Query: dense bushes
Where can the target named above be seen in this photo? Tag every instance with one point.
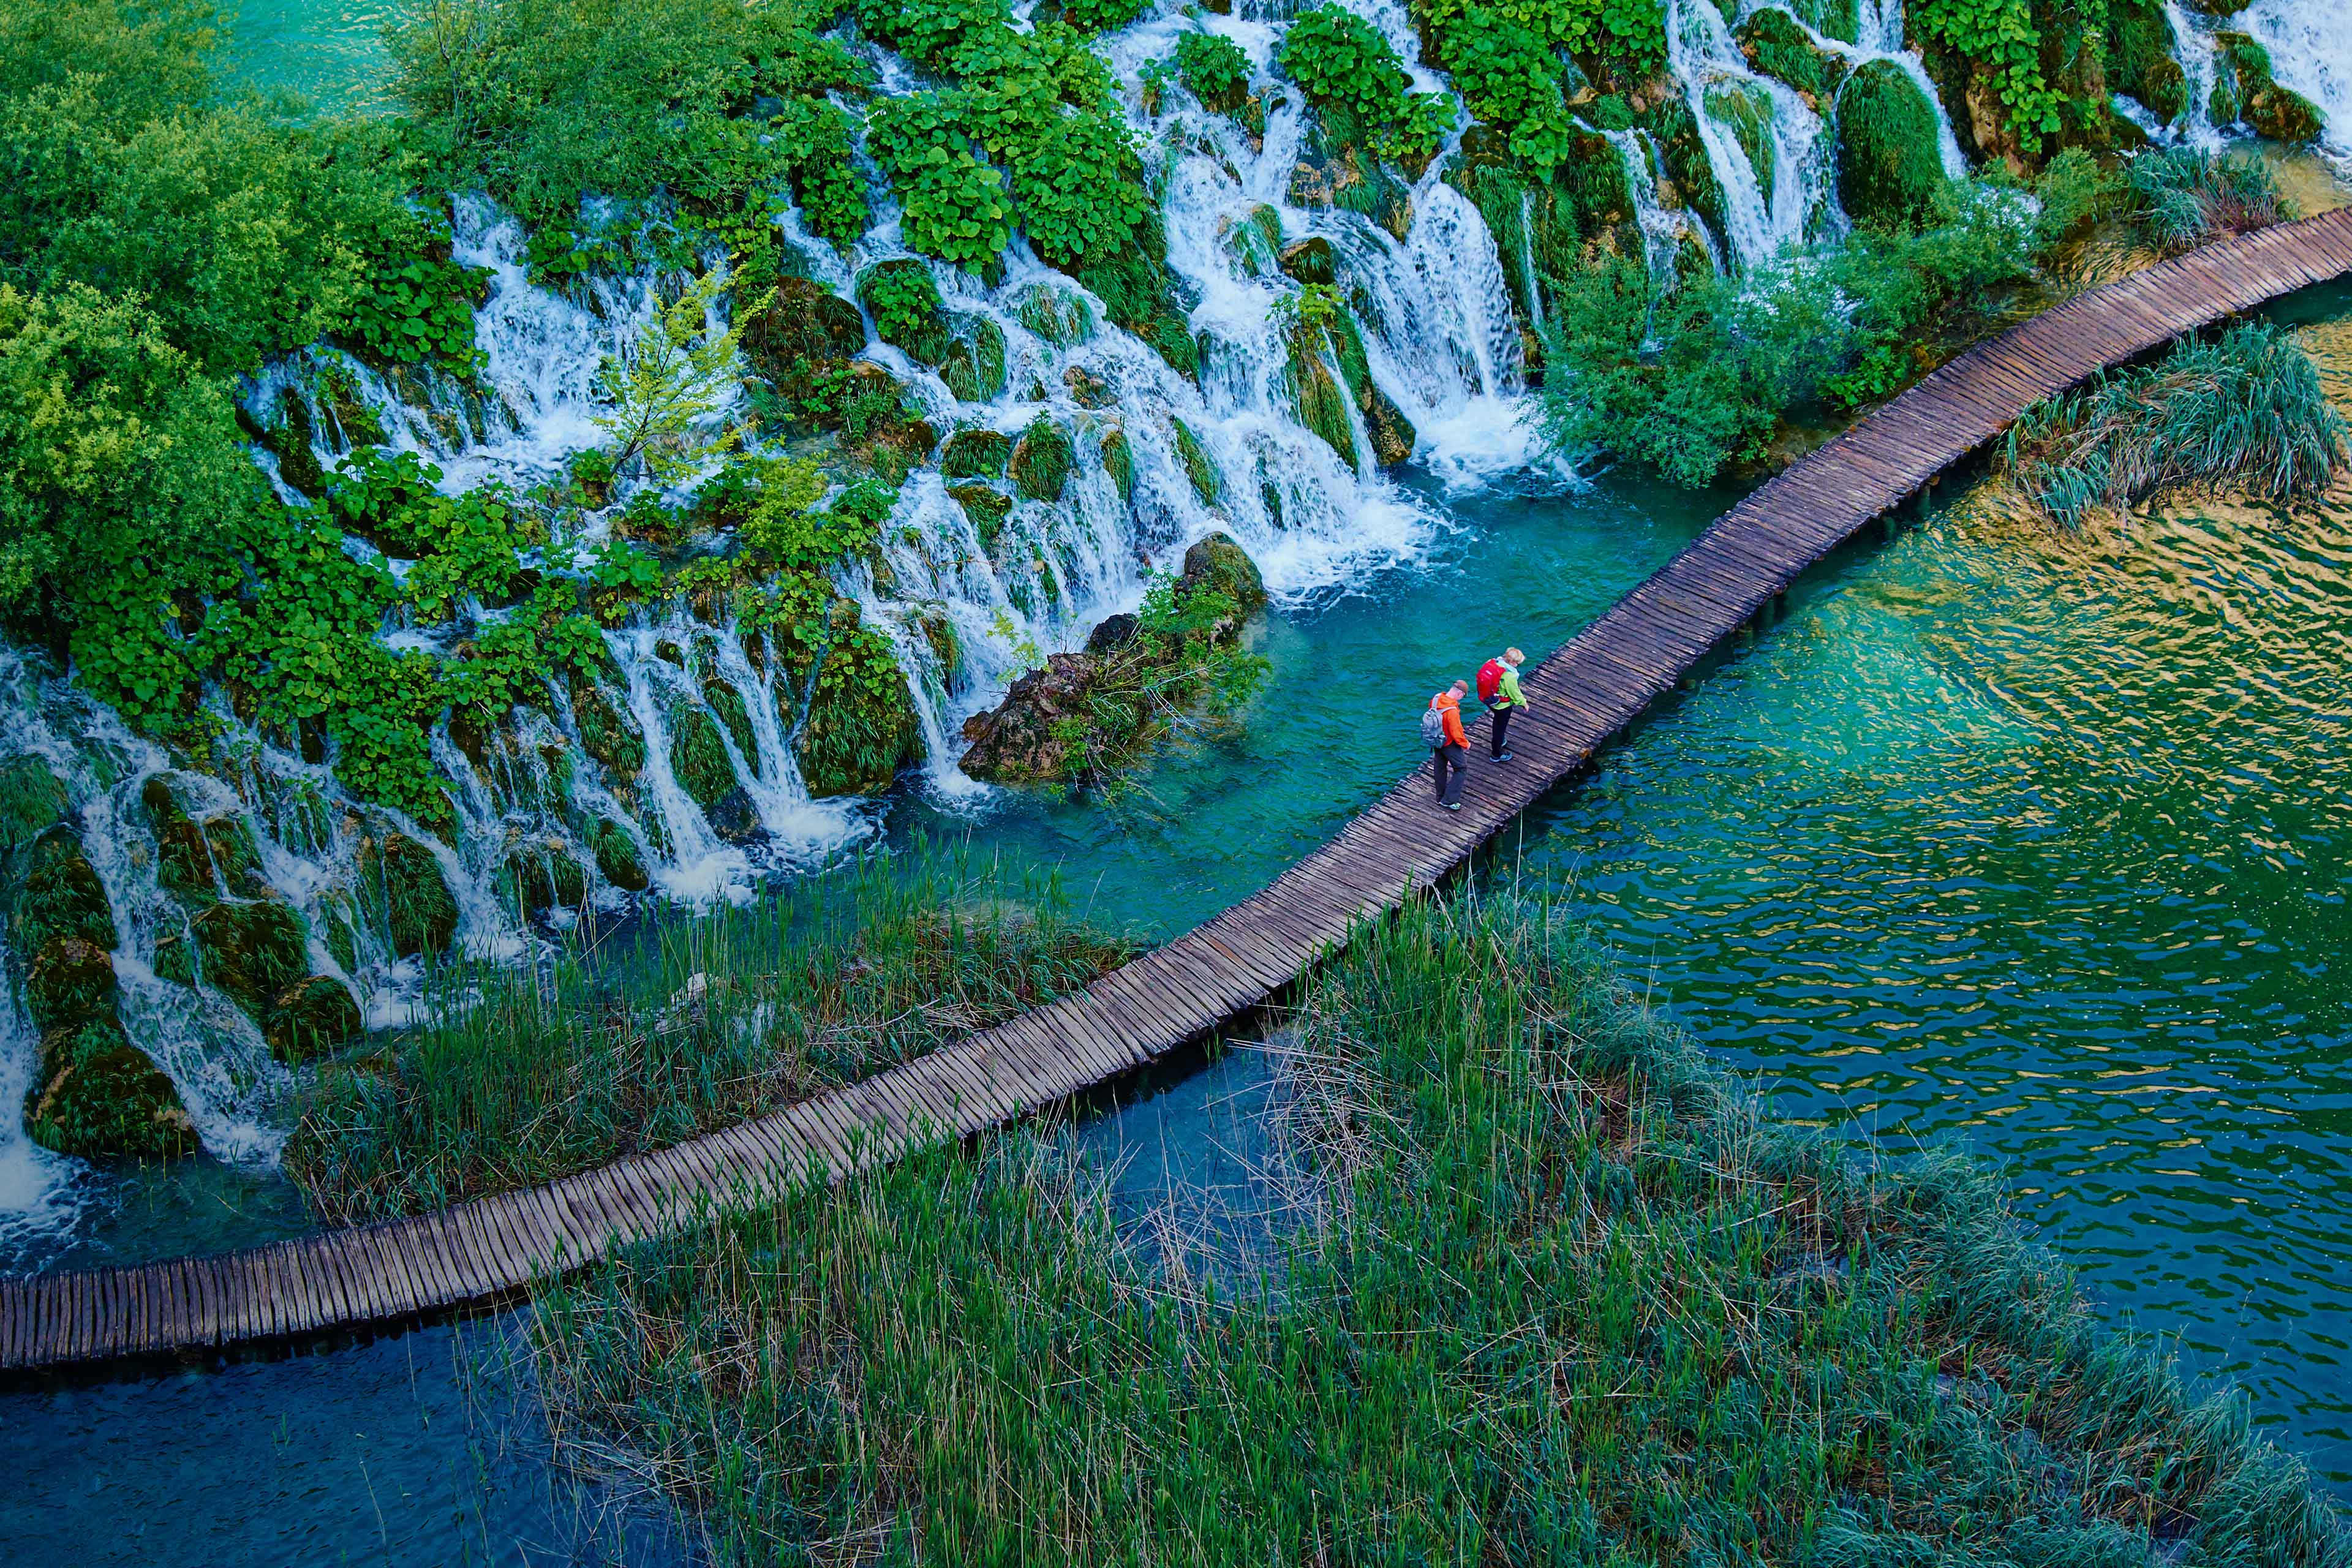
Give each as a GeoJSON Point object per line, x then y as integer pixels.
{"type": "Point", "coordinates": [1889, 172]}
{"type": "Point", "coordinates": [1349, 73]}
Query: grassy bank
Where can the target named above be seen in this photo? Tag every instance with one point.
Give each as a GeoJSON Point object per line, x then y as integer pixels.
{"type": "Point", "coordinates": [683, 1026]}
{"type": "Point", "coordinates": [1567, 1295]}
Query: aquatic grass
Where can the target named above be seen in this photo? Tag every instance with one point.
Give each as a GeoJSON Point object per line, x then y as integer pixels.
{"type": "Point", "coordinates": [2247, 409]}
{"type": "Point", "coordinates": [1581, 1302]}
{"type": "Point", "coordinates": [2181, 197]}
{"type": "Point", "coordinates": [682, 1026]}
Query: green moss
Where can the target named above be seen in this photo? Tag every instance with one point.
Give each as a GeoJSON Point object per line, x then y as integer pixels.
{"type": "Point", "coordinates": [339, 394]}
{"type": "Point", "coordinates": [68, 983]}
{"type": "Point", "coordinates": [1889, 173]}
{"type": "Point", "coordinates": [2272, 111]}
{"type": "Point", "coordinates": [1208, 483]}
{"type": "Point", "coordinates": [987, 507]}
{"type": "Point", "coordinates": [1256, 241]}
{"type": "Point", "coordinates": [1218, 563]}
{"type": "Point", "coordinates": [1317, 398]}
{"type": "Point", "coordinates": [198, 862]}
{"type": "Point", "coordinates": [802, 345]}
{"type": "Point", "coordinates": [99, 1098]}
{"type": "Point", "coordinates": [1747, 113]}
{"type": "Point", "coordinates": [405, 895]}
{"type": "Point", "coordinates": [1118, 459]}
{"type": "Point", "coordinates": [861, 728]}
{"type": "Point", "coordinates": [1691, 177]}
{"type": "Point", "coordinates": [2140, 58]}
{"type": "Point", "coordinates": [1040, 464]}
{"type": "Point", "coordinates": [62, 896]}
{"type": "Point", "coordinates": [697, 757]}
{"type": "Point", "coordinates": [906, 310]}
{"type": "Point", "coordinates": [975, 454]}
{"type": "Point", "coordinates": [250, 953]}
{"type": "Point", "coordinates": [617, 856]}
{"type": "Point", "coordinates": [542, 875]}
{"type": "Point", "coordinates": [973, 367]}
{"type": "Point", "coordinates": [32, 801]}
{"type": "Point", "coordinates": [607, 734]}
{"type": "Point", "coordinates": [1779, 47]}
{"type": "Point", "coordinates": [1057, 315]}
{"type": "Point", "coordinates": [1140, 293]}
{"type": "Point", "coordinates": [286, 432]}
{"type": "Point", "coordinates": [728, 703]}
{"type": "Point", "coordinates": [311, 1017]}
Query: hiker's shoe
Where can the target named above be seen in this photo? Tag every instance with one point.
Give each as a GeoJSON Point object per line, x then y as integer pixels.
{"type": "Point", "coordinates": [1504, 758]}
{"type": "Point", "coordinates": [1452, 806]}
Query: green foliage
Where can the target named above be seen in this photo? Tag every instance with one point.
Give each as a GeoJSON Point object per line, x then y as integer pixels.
{"type": "Point", "coordinates": [2004, 38]}
{"type": "Point", "coordinates": [124, 170]}
{"type": "Point", "coordinates": [1213, 68]}
{"type": "Point", "coordinates": [1348, 70]}
{"type": "Point", "coordinates": [680, 374]}
{"type": "Point", "coordinates": [1507, 75]}
{"type": "Point", "coordinates": [1099, 15]}
{"type": "Point", "coordinates": [2246, 411]}
{"type": "Point", "coordinates": [813, 143]}
{"type": "Point", "coordinates": [953, 204]}
{"type": "Point", "coordinates": [418, 308]}
{"type": "Point", "coordinates": [2181, 197]}
{"type": "Point", "coordinates": [470, 550]}
{"type": "Point", "coordinates": [928, 31]}
{"type": "Point", "coordinates": [524, 1076]}
{"type": "Point", "coordinates": [509, 661]}
{"type": "Point", "coordinates": [905, 304]}
{"type": "Point", "coordinates": [1081, 192]}
{"type": "Point", "coordinates": [1625, 40]}
{"type": "Point", "coordinates": [783, 529]}
{"type": "Point", "coordinates": [1554, 1289]}
{"type": "Point", "coordinates": [1889, 173]}
{"type": "Point", "coordinates": [619, 576]}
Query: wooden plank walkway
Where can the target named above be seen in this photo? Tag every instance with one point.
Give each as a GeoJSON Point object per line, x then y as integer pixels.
{"type": "Point", "coordinates": [490, 1249]}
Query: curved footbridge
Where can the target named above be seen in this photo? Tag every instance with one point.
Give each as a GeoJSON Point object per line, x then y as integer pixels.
{"type": "Point", "coordinates": [491, 1249]}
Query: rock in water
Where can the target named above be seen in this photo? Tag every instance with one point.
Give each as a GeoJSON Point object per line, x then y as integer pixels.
{"type": "Point", "coordinates": [1016, 742]}
{"type": "Point", "coordinates": [312, 1018]}
{"type": "Point", "coordinates": [98, 1097]}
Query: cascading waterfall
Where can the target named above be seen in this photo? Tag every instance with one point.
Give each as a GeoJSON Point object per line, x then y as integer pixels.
{"type": "Point", "coordinates": [1798, 203]}
{"type": "Point", "coordinates": [2310, 45]}
{"type": "Point", "coordinates": [1662, 231]}
{"type": "Point", "coordinates": [1226, 451]}
{"type": "Point", "coordinates": [1880, 31]}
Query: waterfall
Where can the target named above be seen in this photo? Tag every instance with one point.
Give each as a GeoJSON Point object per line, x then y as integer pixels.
{"type": "Point", "coordinates": [1880, 33]}
{"type": "Point", "coordinates": [2310, 45]}
{"type": "Point", "coordinates": [1662, 232]}
{"type": "Point", "coordinates": [1159, 458]}
{"type": "Point", "coordinates": [1764, 212]}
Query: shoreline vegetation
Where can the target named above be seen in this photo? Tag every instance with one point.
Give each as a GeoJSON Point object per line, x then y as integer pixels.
{"type": "Point", "coordinates": [1549, 1286]}
{"type": "Point", "coordinates": [681, 1026]}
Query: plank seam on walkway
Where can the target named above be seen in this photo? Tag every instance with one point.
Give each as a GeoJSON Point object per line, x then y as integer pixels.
{"type": "Point", "coordinates": [491, 1249]}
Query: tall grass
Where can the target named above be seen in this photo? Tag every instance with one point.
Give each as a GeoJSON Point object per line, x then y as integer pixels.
{"type": "Point", "coordinates": [2247, 410]}
{"type": "Point", "coordinates": [2180, 197]}
{"type": "Point", "coordinates": [683, 1026]}
{"type": "Point", "coordinates": [1578, 1304]}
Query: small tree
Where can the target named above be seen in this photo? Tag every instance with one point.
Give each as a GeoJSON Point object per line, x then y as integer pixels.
{"type": "Point", "coordinates": [680, 374]}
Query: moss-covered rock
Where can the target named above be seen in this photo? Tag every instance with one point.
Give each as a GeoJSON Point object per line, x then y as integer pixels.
{"type": "Point", "coordinates": [1775, 45]}
{"type": "Point", "coordinates": [1690, 183]}
{"type": "Point", "coordinates": [286, 433]}
{"type": "Point", "coordinates": [1059, 315]}
{"type": "Point", "coordinates": [1086, 389]}
{"type": "Point", "coordinates": [1889, 172]}
{"type": "Point", "coordinates": [607, 734]}
{"type": "Point", "coordinates": [861, 728]}
{"type": "Point", "coordinates": [1747, 112]}
{"type": "Point", "coordinates": [1208, 483]}
{"type": "Point", "coordinates": [697, 757]}
{"type": "Point", "coordinates": [975, 454]}
{"type": "Point", "coordinates": [62, 896]}
{"type": "Point", "coordinates": [540, 875]}
{"type": "Point", "coordinates": [311, 1017]}
{"type": "Point", "coordinates": [1118, 459]}
{"type": "Point", "coordinates": [617, 856]}
{"type": "Point", "coordinates": [1839, 19]}
{"type": "Point", "coordinates": [986, 507]}
{"type": "Point", "coordinates": [803, 339]}
{"type": "Point", "coordinates": [68, 983]}
{"type": "Point", "coordinates": [1141, 295]}
{"type": "Point", "coordinates": [973, 366]}
{"type": "Point", "coordinates": [250, 953]}
{"type": "Point", "coordinates": [908, 312]}
{"type": "Point", "coordinates": [1311, 260]}
{"type": "Point", "coordinates": [197, 862]}
{"type": "Point", "coordinates": [97, 1095]}
{"type": "Point", "coordinates": [1041, 460]}
{"type": "Point", "coordinates": [1317, 399]}
{"type": "Point", "coordinates": [1255, 241]}
{"type": "Point", "coordinates": [353, 417]}
{"type": "Point", "coordinates": [32, 801]}
{"type": "Point", "coordinates": [2141, 59]}
{"type": "Point", "coordinates": [2277, 113]}
{"type": "Point", "coordinates": [728, 705]}
{"type": "Point", "coordinates": [1215, 561]}
{"type": "Point", "coordinates": [402, 888]}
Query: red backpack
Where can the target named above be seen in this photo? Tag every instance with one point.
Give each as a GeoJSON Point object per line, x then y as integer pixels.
{"type": "Point", "coordinates": [1490, 681]}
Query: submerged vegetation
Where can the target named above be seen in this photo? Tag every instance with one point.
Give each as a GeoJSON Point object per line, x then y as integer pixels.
{"type": "Point", "coordinates": [2246, 411]}
{"type": "Point", "coordinates": [519, 1076]}
{"type": "Point", "coordinates": [1556, 1291]}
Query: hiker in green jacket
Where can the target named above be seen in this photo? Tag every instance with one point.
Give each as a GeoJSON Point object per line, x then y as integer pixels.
{"type": "Point", "coordinates": [1498, 689]}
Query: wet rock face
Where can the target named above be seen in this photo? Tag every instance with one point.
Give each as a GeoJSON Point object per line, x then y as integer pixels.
{"type": "Point", "coordinates": [607, 734]}
{"type": "Point", "coordinates": [1216, 561]}
{"type": "Point", "coordinates": [617, 858]}
{"type": "Point", "coordinates": [1310, 261]}
{"type": "Point", "coordinates": [542, 875]}
{"type": "Point", "coordinates": [98, 1097]}
{"type": "Point", "coordinates": [197, 862]}
{"type": "Point", "coordinates": [312, 1018]}
{"type": "Point", "coordinates": [1016, 741]}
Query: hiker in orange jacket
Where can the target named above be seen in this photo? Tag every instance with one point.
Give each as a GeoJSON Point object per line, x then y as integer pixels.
{"type": "Point", "coordinates": [1452, 750]}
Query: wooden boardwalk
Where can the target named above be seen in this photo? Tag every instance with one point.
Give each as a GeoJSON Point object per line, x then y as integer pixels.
{"type": "Point", "coordinates": [491, 1249]}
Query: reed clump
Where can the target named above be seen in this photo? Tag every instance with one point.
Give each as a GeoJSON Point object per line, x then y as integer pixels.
{"type": "Point", "coordinates": [2247, 410]}
{"type": "Point", "coordinates": [690, 1024]}
{"type": "Point", "coordinates": [2182, 197]}
{"type": "Point", "coordinates": [1580, 1302]}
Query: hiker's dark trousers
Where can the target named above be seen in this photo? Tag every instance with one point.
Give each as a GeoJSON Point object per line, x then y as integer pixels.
{"type": "Point", "coordinates": [1453, 761]}
{"type": "Point", "coordinates": [1502, 722]}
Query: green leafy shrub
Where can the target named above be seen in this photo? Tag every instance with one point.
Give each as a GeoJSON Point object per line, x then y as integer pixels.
{"type": "Point", "coordinates": [1214, 70]}
{"type": "Point", "coordinates": [1507, 75]}
{"type": "Point", "coordinates": [905, 304]}
{"type": "Point", "coordinates": [928, 31]}
{"type": "Point", "coordinates": [418, 308]}
{"type": "Point", "coordinates": [1099, 15]}
{"type": "Point", "coordinates": [1348, 70]}
{"type": "Point", "coordinates": [812, 142]}
{"type": "Point", "coordinates": [1081, 192]}
{"type": "Point", "coordinates": [954, 203]}
{"type": "Point", "coordinates": [2004, 38]}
